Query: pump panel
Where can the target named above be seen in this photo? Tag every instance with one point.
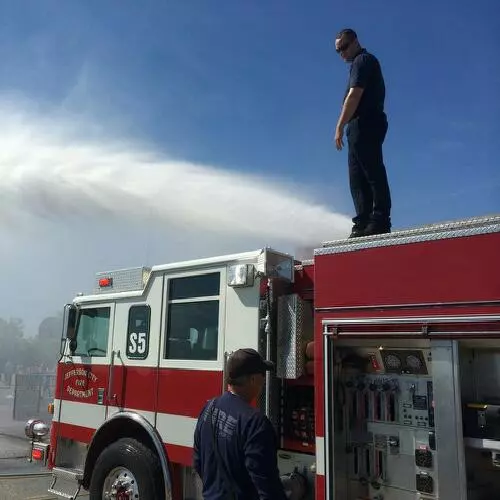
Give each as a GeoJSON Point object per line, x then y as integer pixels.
{"type": "Point", "coordinates": [385, 441]}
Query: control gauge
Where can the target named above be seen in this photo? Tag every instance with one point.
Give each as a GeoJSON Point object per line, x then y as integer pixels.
{"type": "Point", "coordinates": [414, 363]}
{"type": "Point", "coordinates": [392, 362]}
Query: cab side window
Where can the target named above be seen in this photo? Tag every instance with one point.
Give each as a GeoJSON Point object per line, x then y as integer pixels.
{"type": "Point", "coordinates": [193, 317]}
{"type": "Point", "coordinates": [138, 332]}
{"type": "Point", "coordinates": [92, 332]}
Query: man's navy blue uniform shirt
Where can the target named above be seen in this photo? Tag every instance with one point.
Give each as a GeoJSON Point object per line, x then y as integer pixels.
{"type": "Point", "coordinates": [247, 444]}
{"type": "Point", "coordinates": [366, 73]}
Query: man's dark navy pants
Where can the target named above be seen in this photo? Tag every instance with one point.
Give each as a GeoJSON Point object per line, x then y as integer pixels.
{"type": "Point", "coordinates": [367, 174]}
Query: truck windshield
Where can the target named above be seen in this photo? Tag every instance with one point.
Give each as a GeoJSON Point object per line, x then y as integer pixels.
{"type": "Point", "coordinates": [93, 332]}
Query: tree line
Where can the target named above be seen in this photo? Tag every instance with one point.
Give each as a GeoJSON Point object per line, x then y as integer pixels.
{"type": "Point", "coordinates": [21, 354]}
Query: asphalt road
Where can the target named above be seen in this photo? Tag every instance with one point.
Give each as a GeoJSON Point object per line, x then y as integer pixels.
{"type": "Point", "coordinates": [19, 478]}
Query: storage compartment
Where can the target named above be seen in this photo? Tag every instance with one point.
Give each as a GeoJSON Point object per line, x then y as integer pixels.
{"type": "Point", "coordinates": [298, 425]}
{"type": "Point", "coordinates": [295, 331]}
{"type": "Point", "coordinates": [295, 368]}
{"type": "Point", "coordinates": [480, 384]}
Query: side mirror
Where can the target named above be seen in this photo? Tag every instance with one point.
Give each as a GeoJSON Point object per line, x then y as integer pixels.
{"type": "Point", "coordinates": [72, 345]}
{"type": "Point", "coordinates": [69, 327]}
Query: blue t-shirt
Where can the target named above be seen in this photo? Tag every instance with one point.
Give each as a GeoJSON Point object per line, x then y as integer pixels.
{"type": "Point", "coordinates": [366, 72]}
{"type": "Point", "coordinates": [247, 446]}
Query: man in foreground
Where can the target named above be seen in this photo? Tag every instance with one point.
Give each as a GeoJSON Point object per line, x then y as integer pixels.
{"type": "Point", "coordinates": [235, 446]}
{"type": "Point", "coordinates": [363, 112]}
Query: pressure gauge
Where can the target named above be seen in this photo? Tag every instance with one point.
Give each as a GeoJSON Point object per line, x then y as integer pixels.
{"type": "Point", "coordinates": [393, 362]}
{"type": "Point", "coordinates": [414, 362]}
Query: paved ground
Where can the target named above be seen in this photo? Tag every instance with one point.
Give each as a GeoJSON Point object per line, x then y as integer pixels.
{"type": "Point", "coordinates": [13, 442]}
{"type": "Point", "coordinates": [19, 479]}
{"type": "Point", "coordinates": [25, 488]}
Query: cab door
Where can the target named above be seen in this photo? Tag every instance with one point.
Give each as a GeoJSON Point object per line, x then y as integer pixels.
{"type": "Point", "coordinates": [82, 392]}
{"type": "Point", "coordinates": [191, 361]}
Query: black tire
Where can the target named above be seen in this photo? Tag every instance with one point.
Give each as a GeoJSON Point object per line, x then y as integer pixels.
{"type": "Point", "coordinates": [138, 459]}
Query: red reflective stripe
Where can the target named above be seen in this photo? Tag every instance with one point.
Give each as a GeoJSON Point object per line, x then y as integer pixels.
{"type": "Point", "coordinates": [176, 472]}
{"type": "Point", "coordinates": [175, 453]}
{"type": "Point", "coordinates": [179, 454]}
{"type": "Point", "coordinates": [69, 431]}
{"type": "Point", "coordinates": [76, 432]}
{"type": "Point", "coordinates": [135, 387]}
{"type": "Point", "coordinates": [185, 392]}
{"type": "Point", "coordinates": [460, 270]}
{"type": "Point", "coordinates": [80, 382]}
{"type": "Point", "coordinates": [319, 383]}
{"type": "Point", "coordinates": [167, 390]}
{"type": "Point", "coordinates": [320, 487]}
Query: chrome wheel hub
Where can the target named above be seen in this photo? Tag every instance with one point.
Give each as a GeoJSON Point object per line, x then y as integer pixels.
{"type": "Point", "coordinates": [120, 484]}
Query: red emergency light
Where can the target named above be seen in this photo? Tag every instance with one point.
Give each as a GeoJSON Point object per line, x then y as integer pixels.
{"type": "Point", "coordinates": [105, 282]}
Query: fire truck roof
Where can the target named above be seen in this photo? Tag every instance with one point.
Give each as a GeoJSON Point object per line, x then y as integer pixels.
{"type": "Point", "coordinates": [132, 282]}
{"type": "Point", "coordinates": [443, 230]}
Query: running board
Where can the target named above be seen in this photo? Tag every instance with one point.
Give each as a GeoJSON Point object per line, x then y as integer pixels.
{"type": "Point", "coordinates": [65, 474]}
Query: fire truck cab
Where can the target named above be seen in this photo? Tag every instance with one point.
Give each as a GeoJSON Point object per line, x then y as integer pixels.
{"type": "Point", "coordinates": [387, 381]}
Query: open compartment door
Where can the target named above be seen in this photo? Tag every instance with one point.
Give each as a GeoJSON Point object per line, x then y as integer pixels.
{"type": "Point", "coordinates": [393, 411]}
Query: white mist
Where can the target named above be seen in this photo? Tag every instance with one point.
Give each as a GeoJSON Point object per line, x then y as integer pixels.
{"type": "Point", "coordinates": [50, 169]}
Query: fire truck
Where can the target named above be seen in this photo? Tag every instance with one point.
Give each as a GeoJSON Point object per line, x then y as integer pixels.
{"type": "Point", "coordinates": [387, 378]}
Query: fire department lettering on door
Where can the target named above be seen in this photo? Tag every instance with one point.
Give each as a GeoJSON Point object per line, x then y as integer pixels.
{"type": "Point", "coordinates": [80, 379]}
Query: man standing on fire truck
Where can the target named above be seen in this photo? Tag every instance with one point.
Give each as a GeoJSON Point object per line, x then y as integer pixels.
{"type": "Point", "coordinates": [363, 113]}
{"type": "Point", "coordinates": [235, 445]}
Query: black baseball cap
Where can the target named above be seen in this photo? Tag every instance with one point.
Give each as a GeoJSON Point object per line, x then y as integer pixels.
{"type": "Point", "coordinates": [246, 362]}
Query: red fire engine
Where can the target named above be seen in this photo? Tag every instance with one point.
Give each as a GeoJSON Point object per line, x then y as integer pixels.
{"type": "Point", "coordinates": [387, 382]}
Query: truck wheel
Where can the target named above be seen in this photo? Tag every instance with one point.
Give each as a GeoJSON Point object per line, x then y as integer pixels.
{"type": "Point", "coordinates": [126, 470]}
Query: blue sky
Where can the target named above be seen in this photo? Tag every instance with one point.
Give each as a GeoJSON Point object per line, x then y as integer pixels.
{"type": "Point", "coordinates": [256, 86]}
{"type": "Point", "coordinates": [243, 86]}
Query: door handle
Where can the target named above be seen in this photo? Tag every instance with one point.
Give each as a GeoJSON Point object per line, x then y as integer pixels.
{"type": "Point", "coordinates": [112, 397]}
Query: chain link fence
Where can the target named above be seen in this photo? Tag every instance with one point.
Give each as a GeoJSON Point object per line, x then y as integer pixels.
{"type": "Point", "coordinates": [32, 394]}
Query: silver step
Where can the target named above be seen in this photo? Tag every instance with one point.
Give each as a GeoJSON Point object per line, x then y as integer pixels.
{"type": "Point", "coordinates": [68, 474]}
{"type": "Point", "coordinates": [73, 476]}
{"type": "Point", "coordinates": [61, 494]}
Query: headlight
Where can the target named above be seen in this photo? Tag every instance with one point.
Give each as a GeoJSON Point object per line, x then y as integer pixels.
{"type": "Point", "coordinates": [36, 428]}
{"type": "Point", "coordinates": [40, 429]}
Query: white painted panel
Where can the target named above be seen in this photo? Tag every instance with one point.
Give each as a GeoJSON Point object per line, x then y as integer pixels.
{"type": "Point", "coordinates": [173, 429]}
{"type": "Point", "coordinates": [176, 429]}
{"type": "Point", "coordinates": [320, 456]}
{"type": "Point", "coordinates": [81, 414]}
{"type": "Point", "coordinates": [148, 415]}
{"type": "Point", "coordinates": [242, 317]}
{"type": "Point", "coordinates": [152, 298]}
{"type": "Point", "coordinates": [251, 256]}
